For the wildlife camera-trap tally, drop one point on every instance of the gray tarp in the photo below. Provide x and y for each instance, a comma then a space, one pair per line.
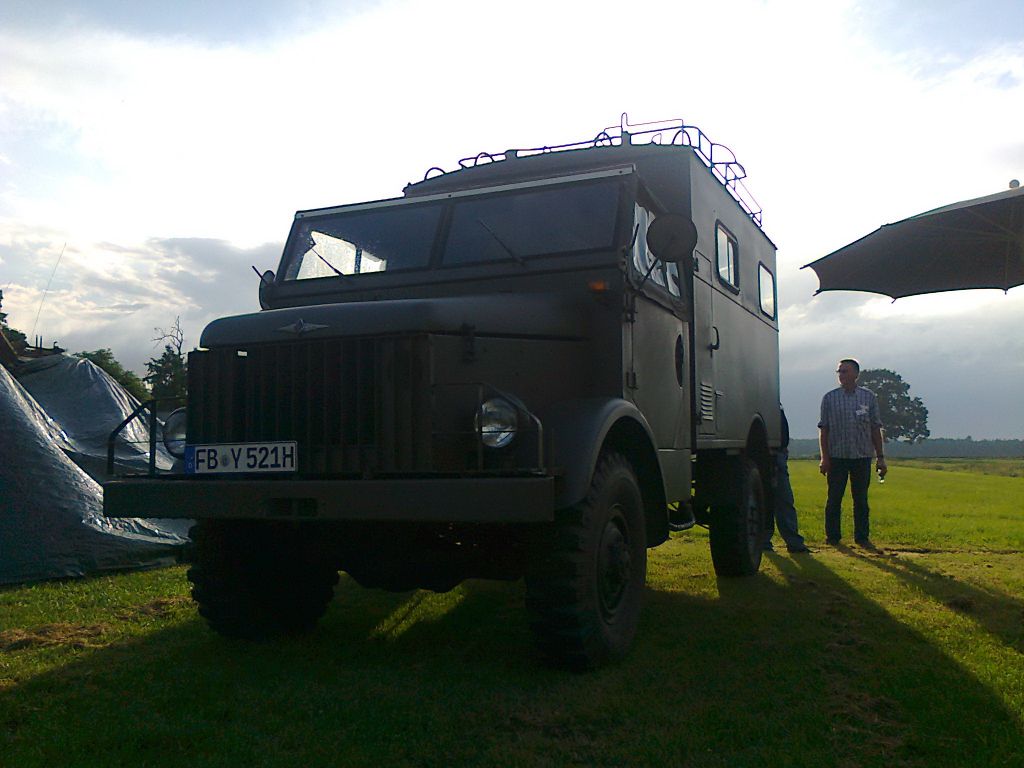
87, 404
51, 522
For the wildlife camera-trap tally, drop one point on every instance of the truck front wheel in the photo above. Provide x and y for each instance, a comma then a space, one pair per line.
254, 579
585, 576
737, 527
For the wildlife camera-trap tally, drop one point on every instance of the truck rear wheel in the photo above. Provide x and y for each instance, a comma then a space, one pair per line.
253, 580
585, 578
738, 527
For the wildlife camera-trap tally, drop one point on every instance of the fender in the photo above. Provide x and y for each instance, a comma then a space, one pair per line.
576, 431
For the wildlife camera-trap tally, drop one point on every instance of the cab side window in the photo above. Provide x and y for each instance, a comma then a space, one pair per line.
766, 290
643, 259
728, 258
673, 278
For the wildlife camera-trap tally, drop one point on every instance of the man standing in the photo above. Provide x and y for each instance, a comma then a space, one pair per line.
850, 433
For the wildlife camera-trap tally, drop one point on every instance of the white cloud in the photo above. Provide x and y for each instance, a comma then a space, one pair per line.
106, 295
166, 145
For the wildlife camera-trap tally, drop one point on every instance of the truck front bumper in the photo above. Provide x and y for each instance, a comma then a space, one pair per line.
465, 500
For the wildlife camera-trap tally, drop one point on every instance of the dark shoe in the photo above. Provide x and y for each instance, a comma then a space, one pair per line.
832, 542
798, 548
865, 544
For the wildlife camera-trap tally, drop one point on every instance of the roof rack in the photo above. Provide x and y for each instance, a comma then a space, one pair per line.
719, 159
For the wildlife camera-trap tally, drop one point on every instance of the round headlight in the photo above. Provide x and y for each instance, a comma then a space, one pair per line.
174, 433
496, 422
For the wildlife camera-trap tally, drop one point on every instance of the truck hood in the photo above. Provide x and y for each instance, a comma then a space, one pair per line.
490, 314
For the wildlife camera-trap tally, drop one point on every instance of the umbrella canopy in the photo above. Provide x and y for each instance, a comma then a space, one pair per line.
972, 244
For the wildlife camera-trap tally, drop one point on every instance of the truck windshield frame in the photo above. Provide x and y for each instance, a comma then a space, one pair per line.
498, 225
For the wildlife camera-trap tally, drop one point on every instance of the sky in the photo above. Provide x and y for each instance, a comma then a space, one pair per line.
152, 153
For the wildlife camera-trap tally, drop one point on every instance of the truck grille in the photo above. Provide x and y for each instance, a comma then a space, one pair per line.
353, 405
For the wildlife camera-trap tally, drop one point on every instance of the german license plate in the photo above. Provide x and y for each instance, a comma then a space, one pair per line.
240, 457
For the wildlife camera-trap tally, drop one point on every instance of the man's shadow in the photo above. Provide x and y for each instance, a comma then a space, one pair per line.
998, 613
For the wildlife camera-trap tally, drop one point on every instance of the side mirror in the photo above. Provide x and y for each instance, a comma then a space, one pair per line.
672, 237
266, 284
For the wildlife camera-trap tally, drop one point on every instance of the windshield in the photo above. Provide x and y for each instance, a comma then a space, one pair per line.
521, 224
356, 242
497, 227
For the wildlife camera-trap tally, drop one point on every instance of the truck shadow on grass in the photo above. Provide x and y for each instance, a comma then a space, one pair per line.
802, 670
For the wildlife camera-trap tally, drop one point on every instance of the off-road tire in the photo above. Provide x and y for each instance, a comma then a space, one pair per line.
737, 530
585, 575
255, 579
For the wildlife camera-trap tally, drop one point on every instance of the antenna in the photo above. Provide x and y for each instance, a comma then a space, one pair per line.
48, 288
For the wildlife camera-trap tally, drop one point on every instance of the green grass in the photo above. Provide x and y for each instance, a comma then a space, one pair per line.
913, 655
918, 507
1005, 467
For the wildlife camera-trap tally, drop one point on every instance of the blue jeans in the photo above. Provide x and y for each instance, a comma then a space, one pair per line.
859, 473
785, 511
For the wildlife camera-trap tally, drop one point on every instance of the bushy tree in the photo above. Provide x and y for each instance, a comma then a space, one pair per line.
904, 417
167, 374
104, 358
166, 377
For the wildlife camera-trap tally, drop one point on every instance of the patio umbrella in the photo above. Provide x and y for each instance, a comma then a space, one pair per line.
971, 244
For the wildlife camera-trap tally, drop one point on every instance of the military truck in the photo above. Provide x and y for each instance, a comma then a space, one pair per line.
536, 366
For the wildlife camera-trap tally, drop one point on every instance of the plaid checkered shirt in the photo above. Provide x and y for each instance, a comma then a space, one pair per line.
849, 417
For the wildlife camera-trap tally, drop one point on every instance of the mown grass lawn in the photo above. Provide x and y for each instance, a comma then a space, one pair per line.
912, 655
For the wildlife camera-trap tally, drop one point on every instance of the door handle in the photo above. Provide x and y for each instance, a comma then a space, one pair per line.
718, 340
680, 360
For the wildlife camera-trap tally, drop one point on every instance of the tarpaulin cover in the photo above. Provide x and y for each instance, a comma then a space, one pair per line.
51, 522
87, 404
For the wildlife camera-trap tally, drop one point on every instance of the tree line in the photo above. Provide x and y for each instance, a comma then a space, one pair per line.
166, 373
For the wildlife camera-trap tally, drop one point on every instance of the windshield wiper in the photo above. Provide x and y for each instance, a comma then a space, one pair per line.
325, 261
519, 259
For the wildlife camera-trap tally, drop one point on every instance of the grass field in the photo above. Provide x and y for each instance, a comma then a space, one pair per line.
909, 656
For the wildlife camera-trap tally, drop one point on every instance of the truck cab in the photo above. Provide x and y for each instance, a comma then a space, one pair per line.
536, 366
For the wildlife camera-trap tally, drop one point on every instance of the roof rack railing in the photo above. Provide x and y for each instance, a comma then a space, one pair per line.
719, 159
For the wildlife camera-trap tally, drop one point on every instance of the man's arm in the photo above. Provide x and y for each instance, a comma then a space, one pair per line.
877, 438
825, 466
879, 441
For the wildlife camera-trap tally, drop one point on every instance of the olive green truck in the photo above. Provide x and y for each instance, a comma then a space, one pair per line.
536, 366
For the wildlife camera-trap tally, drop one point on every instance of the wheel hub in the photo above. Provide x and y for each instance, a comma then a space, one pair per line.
753, 520
614, 566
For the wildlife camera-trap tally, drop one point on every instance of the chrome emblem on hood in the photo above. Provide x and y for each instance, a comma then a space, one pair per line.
300, 327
